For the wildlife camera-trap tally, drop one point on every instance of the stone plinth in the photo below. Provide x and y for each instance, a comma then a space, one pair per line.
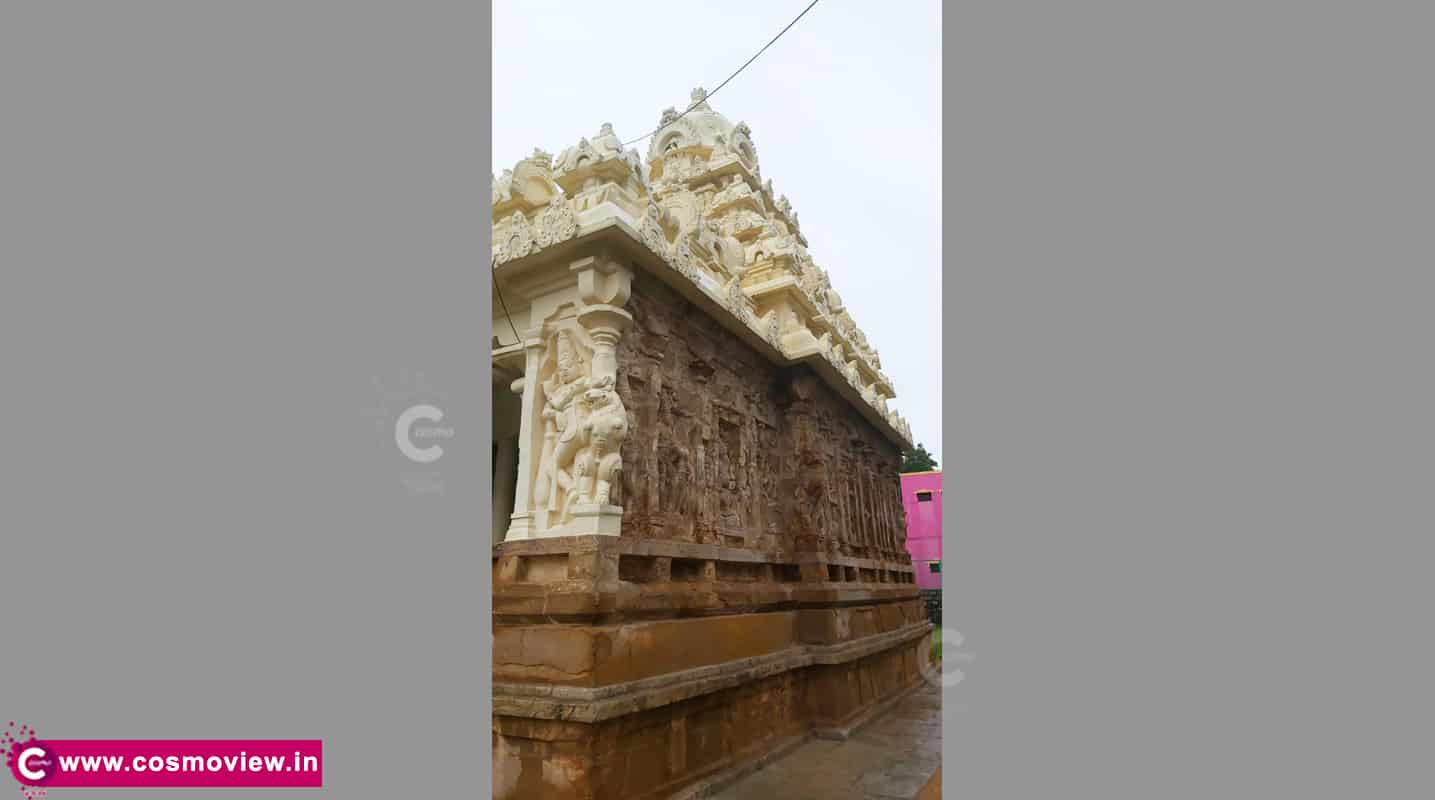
641, 667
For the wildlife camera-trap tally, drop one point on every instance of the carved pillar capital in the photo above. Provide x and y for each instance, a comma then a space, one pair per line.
602, 281
605, 320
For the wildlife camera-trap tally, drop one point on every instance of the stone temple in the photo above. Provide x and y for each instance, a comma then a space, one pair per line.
699, 552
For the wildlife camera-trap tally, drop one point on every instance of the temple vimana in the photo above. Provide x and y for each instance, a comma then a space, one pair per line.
699, 557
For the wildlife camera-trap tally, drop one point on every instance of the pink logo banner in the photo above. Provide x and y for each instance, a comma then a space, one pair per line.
167, 763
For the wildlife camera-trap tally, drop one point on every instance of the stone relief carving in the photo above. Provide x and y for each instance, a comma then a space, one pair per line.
513, 238
684, 208
729, 251
600, 466
773, 330
717, 456
735, 191
531, 183
742, 223
735, 299
584, 425
557, 223
854, 377
654, 234
682, 259
811, 281
606, 141
678, 169
503, 187
576, 156
566, 380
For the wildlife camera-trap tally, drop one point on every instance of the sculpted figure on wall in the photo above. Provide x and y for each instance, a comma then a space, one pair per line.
529, 186
503, 187
657, 229
730, 504
584, 424
556, 484
600, 465
606, 141
512, 238
726, 249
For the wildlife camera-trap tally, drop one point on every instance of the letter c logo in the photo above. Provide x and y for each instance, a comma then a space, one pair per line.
402, 431
22, 763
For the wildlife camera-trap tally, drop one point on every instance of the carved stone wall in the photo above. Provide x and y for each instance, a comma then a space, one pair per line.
727, 449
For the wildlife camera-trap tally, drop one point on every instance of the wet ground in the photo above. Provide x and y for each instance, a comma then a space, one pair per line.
894, 757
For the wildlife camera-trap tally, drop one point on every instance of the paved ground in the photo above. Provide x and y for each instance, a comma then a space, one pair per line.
891, 758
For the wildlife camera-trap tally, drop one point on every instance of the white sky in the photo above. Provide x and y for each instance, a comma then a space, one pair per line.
845, 111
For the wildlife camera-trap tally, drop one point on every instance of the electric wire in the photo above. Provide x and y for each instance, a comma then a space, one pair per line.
492, 266
729, 78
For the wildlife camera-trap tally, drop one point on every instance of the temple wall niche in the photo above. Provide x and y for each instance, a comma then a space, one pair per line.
725, 448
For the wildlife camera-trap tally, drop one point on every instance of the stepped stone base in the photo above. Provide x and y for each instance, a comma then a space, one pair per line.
655, 736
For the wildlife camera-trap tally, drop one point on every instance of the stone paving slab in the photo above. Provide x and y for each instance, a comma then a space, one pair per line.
893, 757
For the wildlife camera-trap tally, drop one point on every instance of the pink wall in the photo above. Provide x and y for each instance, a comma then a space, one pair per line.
924, 525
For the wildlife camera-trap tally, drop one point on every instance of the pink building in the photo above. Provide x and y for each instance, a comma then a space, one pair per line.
922, 500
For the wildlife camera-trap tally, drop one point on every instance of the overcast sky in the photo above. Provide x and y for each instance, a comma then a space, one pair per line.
845, 112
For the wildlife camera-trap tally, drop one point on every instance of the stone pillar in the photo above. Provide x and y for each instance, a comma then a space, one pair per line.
504, 488
605, 323
603, 287
573, 422
521, 523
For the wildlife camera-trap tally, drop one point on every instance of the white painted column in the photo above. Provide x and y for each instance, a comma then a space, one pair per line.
521, 523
